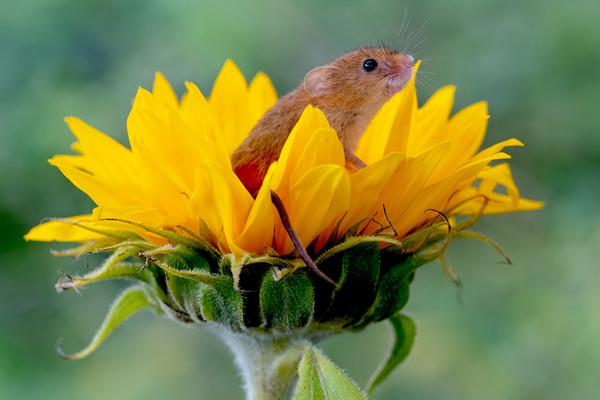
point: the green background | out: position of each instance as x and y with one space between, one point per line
530 331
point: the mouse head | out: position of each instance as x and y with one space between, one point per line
360 77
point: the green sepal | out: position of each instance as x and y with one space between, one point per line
356 285
191 241
450 273
489 241
90 246
320 379
393 290
114 267
222 303
185 258
132 300
184 296
286 304
353 241
196 274
404 337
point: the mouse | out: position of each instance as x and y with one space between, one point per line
349 90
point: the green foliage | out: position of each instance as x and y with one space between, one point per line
128 303
286 304
404 336
321 379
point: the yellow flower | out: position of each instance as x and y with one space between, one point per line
177 175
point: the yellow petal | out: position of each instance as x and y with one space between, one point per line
323 147
202 201
471 199
432 119
258 230
320 197
100 192
163 90
93 142
144 215
437 196
499 207
229 102
390 129
63 231
465 131
366 188
141 214
261 96
311 120
406 185
468 127
499 175
161 141
104 156
232 203
496 148
205 133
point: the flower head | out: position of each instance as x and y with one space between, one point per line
176 174
171 201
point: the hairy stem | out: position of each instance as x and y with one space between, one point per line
268 365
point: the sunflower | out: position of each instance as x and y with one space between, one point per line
177 174
174 216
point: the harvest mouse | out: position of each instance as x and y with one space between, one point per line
349 90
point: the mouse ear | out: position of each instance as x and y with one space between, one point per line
316 81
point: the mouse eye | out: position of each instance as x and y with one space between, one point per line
369 65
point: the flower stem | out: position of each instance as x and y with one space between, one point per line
268 365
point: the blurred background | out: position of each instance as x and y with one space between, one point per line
528 331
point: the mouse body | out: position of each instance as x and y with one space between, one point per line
349 91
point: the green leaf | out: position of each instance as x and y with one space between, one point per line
404 336
128 303
321 379
286 304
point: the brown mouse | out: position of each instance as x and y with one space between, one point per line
349 90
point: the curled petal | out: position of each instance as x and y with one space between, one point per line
321 196
390 129
258 230
311 120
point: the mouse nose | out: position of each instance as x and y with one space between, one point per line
409 60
